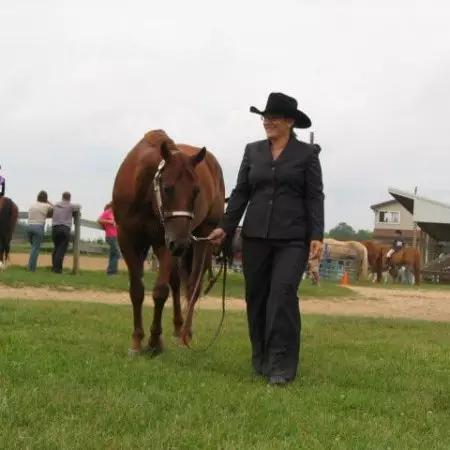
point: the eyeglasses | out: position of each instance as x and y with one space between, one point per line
271 118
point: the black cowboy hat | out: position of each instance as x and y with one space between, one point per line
283 105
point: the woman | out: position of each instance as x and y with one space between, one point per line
106 220
280 180
37 214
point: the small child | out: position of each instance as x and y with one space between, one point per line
397 245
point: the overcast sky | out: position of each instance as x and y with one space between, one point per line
82 81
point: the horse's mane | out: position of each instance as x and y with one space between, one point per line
158 137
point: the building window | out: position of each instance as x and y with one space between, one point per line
389 217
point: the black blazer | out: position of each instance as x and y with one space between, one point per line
284 196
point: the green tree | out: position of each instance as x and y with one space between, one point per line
363 235
342 231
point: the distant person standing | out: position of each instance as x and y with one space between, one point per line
106 220
63 213
38 212
2 185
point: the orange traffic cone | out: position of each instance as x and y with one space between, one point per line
344 281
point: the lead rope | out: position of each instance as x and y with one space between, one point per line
224 265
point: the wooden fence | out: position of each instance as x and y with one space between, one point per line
78 223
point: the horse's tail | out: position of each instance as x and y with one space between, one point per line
5 215
365 263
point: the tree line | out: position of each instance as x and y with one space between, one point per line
344 232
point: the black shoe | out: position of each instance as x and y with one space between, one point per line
278 380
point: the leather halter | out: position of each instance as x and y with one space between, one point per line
159 200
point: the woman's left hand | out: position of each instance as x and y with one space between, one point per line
315 248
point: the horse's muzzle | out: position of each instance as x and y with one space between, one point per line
177 247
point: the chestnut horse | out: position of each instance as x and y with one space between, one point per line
164 196
376 255
9 213
409 257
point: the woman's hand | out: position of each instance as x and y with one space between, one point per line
217 236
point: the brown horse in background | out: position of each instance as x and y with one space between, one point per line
408 257
9 214
376 255
163 195
411 259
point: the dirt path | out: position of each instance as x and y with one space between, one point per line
431 305
86 262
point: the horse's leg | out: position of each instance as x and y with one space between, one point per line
160 294
7 250
194 285
131 255
175 284
2 251
379 268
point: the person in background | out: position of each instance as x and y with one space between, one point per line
397 245
38 212
63 213
106 220
2 185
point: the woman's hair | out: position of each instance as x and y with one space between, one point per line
42 197
107 206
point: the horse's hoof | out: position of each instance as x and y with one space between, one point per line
186 339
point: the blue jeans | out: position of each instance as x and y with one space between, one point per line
35 234
114 255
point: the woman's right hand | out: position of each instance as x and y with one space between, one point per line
217 236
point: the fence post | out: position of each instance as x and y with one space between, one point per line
76 242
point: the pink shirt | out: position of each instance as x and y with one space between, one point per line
110 230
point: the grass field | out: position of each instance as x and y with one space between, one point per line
66 382
97 280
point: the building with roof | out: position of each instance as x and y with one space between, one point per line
427 219
390 216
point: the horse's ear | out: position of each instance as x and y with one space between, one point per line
198 158
165 152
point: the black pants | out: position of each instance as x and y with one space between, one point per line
273 271
60 238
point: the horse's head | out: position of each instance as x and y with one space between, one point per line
176 187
